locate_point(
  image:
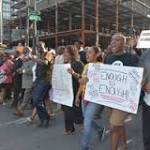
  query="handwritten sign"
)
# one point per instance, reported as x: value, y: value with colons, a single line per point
x: 62, y: 91
x: 144, y: 40
x: 114, y: 86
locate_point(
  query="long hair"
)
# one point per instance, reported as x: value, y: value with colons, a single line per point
x: 98, y: 51
x: 71, y: 50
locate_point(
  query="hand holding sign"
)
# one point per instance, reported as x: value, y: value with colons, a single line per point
x: 124, y: 91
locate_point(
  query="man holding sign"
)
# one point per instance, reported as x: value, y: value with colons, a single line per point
x: 117, y: 117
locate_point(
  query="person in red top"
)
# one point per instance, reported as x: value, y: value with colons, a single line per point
x: 6, y: 83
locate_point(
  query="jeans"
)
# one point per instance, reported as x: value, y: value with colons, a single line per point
x: 40, y: 91
x: 89, y: 112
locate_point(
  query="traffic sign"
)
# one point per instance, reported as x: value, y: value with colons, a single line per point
x: 35, y: 18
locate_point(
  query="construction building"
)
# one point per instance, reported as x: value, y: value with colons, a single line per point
x: 92, y: 21
x: 5, y: 16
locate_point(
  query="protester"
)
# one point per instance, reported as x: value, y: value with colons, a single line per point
x: 6, y: 68
x: 72, y: 114
x: 145, y: 63
x: 17, y: 82
x: 117, y: 117
x: 41, y: 88
x: 38, y: 58
x: 27, y: 84
x: 40, y: 91
x: 94, y: 55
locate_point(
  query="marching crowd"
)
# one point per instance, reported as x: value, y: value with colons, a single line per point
x: 26, y: 76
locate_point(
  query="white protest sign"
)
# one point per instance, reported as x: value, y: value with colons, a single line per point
x: 62, y: 90
x: 144, y: 40
x: 114, y: 86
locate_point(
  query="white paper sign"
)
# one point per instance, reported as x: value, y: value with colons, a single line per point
x: 144, y: 40
x: 114, y: 86
x: 62, y: 91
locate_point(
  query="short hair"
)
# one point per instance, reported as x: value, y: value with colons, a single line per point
x: 121, y: 36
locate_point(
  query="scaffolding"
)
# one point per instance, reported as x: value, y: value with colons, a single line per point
x: 92, y: 21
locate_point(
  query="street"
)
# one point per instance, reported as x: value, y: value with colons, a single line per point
x: 18, y: 134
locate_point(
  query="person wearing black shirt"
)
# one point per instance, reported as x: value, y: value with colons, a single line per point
x: 17, y: 83
x: 72, y: 114
x: 117, y: 117
x: 41, y: 87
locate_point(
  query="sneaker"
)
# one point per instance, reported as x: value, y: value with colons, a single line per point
x: 101, y: 134
x: 29, y: 119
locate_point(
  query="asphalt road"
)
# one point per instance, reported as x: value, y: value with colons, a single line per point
x: 18, y: 134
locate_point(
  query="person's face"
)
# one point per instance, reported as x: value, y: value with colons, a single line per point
x: 117, y: 44
x: 67, y: 57
x: 91, y: 55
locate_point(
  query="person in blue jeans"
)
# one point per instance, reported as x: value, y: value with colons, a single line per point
x: 90, y: 110
x: 40, y: 92
x: 41, y: 88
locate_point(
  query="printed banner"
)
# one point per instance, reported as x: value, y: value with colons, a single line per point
x: 114, y: 86
x: 62, y: 91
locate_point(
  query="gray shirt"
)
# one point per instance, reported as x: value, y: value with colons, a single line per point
x: 27, y: 78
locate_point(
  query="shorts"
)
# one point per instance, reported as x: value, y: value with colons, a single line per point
x: 117, y: 117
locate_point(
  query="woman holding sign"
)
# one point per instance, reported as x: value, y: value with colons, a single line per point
x: 90, y: 109
x: 72, y: 114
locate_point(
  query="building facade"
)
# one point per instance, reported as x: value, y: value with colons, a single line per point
x: 92, y: 21
x: 6, y: 19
